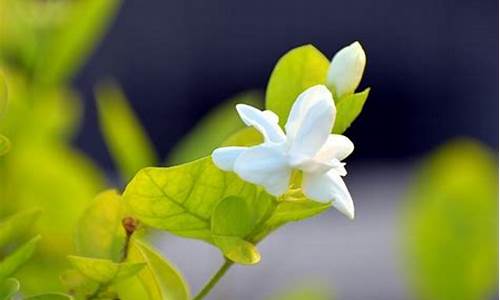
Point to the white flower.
(308, 146)
(346, 69)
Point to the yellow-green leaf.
(213, 129)
(4, 145)
(451, 223)
(125, 137)
(297, 70)
(99, 232)
(237, 249)
(348, 109)
(50, 296)
(18, 225)
(15, 260)
(3, 95)
(8, 288)
(181, 199)
(104, 270)
(66, 49)
(244, 137)
(159, 278)
(79, 285)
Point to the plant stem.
(213, 281)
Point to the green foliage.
(181, 199)
(451, 223)
(297, 70)
(50, 296)
(104, 270)
(248, 136)
(4, 145)
(77, 284)
(348, 109)
(99, 232)
(8, 288)
(125, 137)
(10, 264)
(66, 48)
(17, 226)
(159, 278)
(213, 129)
(3, 95)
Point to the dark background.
(432, 65)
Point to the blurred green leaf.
(77, 284)
(159, 277)
(104, 270)
(99, 232)
(451, 223)
(125, 137)
(66, 50)
(213, 129)
(348, 109)
(3, 95)
(18, 225)
(297, 70)
(248, 136)
(311, 291)
(10, 264)
(8, 288)
(4, 145)
(181, 199)
(50, 296)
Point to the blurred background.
(423, 175)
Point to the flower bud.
(346, 69)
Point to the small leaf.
(8, 288)
(15, 260)
(181, 199)
(296, 71)
(159, 277)
(125, 137)
(4, 145)
(244, 137)
(99, 232)
(77, 284)
(15, 226)
(213, 129)
(451, 223)
(50, 296)
(66, 49)
(3, 96)
(291, 211)
(237, 249)
(103, 270)
(348, 109)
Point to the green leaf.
(18, 225)
(99, 232)
(244, 137)
(296, 71)
(159, 277)
(451, 223)
(348, 109)
(78, 285)
(8, 288)
(213, 129)
(125, 137)
(238, 249)
(181, 199)
(50, 296)
(68, 47)
(15, 260)
(4, 145)
(3, 95)
(104, 270)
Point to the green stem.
(213, 281)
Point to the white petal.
(337, 146)
(225, 157)
(265, 122)
(346, 69)
(266, 166)
(324, 187)
(310, 122)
